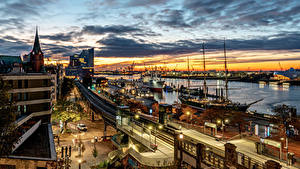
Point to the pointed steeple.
(36, 47)
(36, 55)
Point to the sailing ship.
(153, 81)
(219, 103)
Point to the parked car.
(81, 127)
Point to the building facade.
(81, 64)
(33, 92)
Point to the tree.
(67, 86)
(67, 111)
(210, 115)
(239, 118)
(283, 115)
(87, 79)
(8, 134)
(188, 113)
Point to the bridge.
(154, 144)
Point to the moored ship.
(220, 103)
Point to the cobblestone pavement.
(94, 129)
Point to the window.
(45, 82)
(11, 97)
(25, 96)
(19, 84)
(46, 95)
(26, 84)
(11, 83)
(19, 108)
(25, 108)
(19, 96)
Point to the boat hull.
(234, 107)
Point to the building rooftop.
(39, 145)
(10, 59)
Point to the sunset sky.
(259, 33)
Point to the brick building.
(32, 92)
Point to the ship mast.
(226, 72)
(188, 66)
(204, 83)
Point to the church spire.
(36, 55)
(36, 47)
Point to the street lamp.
(136, 116)
(79, 163)
(188, 113)
(93, 142)
(226, 121)
(181, 136)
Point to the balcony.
(36, 89)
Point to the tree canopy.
(67, 111)
(8, 136)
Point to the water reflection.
(246, 93)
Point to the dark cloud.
(116, 29)
(114, 46)
(11, 23)
(124, 47)
(18, 47)
(134, 3)
(7, 37)
(95, 4)
(120, 29)
(230, 14)
(58, 37)
(279, 41)
(13, 48)
(172, 18)
(21, 8)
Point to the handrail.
(26, 135)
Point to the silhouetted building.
(81, 64)
(36, 62)
(10, 63)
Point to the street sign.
(212, 125)
(272, 143)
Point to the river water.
(238, 92)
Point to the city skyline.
(258, 34)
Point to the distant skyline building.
(81, 64)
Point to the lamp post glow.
(181, 136)
(79, 163)
(226, 121)
(150, 128)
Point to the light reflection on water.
(239, 92)
(249, 92)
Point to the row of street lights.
(150, 128)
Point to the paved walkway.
(94, 129)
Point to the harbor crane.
(280, 66)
